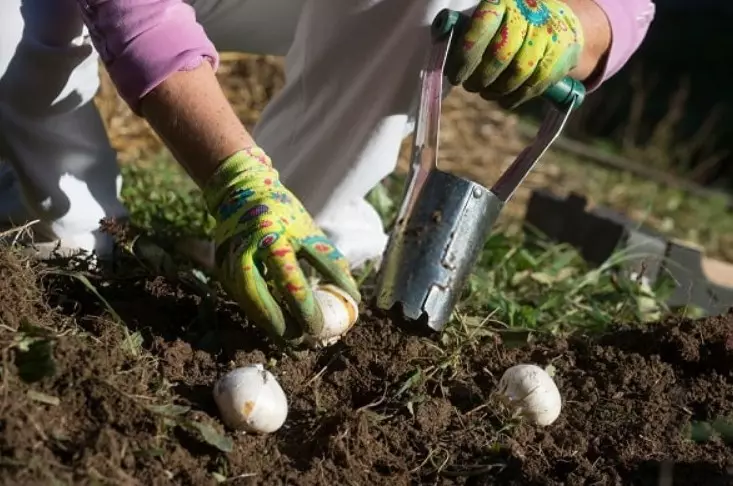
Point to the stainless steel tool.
(444, 220)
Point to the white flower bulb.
(251, 399)
(532, 393)
(340, 313)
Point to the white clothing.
(333, 132)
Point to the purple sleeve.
(142, 42)
(630, 20)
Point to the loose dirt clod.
(376, 408)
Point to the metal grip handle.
(562, 94)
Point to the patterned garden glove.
(513, 50)
(261, 231)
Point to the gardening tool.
(444, 220)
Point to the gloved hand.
(261, 231)
(513, 50)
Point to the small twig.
(241, 476)
(375, 403)
(476, 409)
(19, 230)
(323, 370)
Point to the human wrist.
(239, 168)
(193, 117)
(629, 21)
(596, 35)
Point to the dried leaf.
(43, 398)
(169, 409)
(543, 278)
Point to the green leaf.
(85, 281)
(169, 409)
(382, 201)
(413, 379)
(211, 436)
(564, 261)
(701, 431)
(133, 343)
(724, 428)
(36, 362)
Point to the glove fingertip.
(355, 294)
(312, 321)
(277, 318)
(352, 288)
(258, 303)
(344, 281)
(454, 73)
(271, 319)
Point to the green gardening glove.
(262, 229)
(513, 50)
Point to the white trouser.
(333, 132)
(50, 131)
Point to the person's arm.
(190, 113)
(163, 66)
(614, 30)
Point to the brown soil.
(383, 407)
